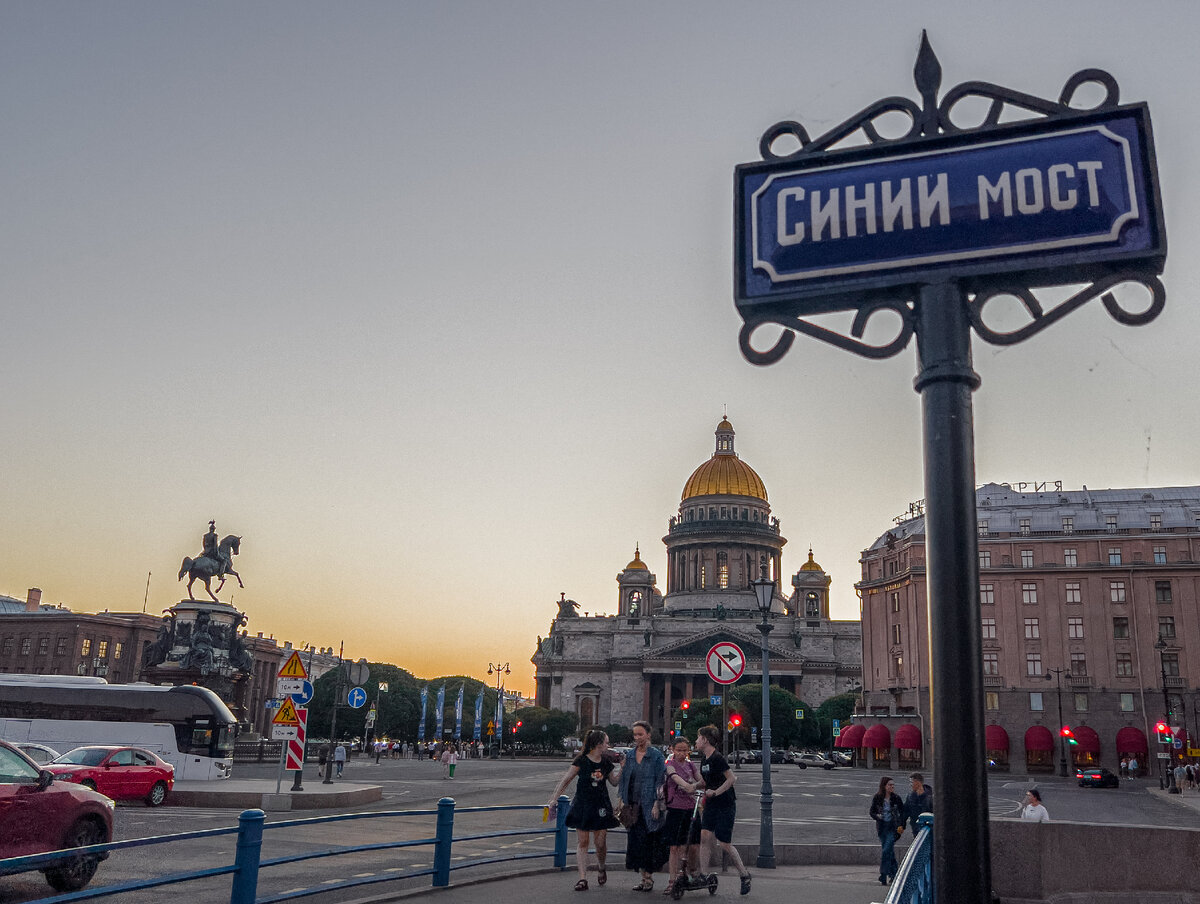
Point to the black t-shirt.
(713, 769)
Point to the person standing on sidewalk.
(720, 805)
(887, 809)
(919, 800)
(339, 758)
(641, 779)
(683, 778)
(453, 758)
(1033, 809)
(591, 808)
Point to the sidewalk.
(245, 794)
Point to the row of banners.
(458, 711)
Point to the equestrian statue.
(215, 561)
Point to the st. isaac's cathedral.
(644, 661)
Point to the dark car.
(38, 814)
(1096, 777)
(122, 773)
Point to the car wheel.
(76, 872)
(157, 795)
(802, 765)
(827, 768)
(89, 784)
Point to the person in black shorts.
(720, 806)
(591, 809)
(683, 778)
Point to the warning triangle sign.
(286, 714)
(293, 668)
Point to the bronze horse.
(206, 568)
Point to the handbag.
(629, 814)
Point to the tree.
(542, 729)
(841, 708)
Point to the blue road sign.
(1042, 196)
(302, 698)
(357, 697)
(714, 700)
(837, 723)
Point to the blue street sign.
(1045, 197)
(357, 697)
(714, 700)
(1179, 743)
(837, 723)
(305, 695)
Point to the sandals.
(601, 874)
(645, 885)
(581, 885)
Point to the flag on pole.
(441, 711)
(500, 714)
(458, 712)
(479, 716)
(421, 724)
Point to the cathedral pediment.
(698, 645)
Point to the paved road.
(811, 806)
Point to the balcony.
(993, 681)
(1079, 680)
(1176, 681)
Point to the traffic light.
(1067, 733)
(685, 705)
(1163, 731)
(735, 720)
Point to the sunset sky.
(432, 302)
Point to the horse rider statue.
(215, 561)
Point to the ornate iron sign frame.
(932, 127)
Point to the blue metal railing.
(914, 882)
(248, 855)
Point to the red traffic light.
(519, 724)
(1160, 726)
(735, 719)
(686, 704)
(1066, 731)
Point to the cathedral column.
(646, 679)
(688, 688)
(668, 688)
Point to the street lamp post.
(764, 590)
(1062, 740)
(1161, 646)
(499, 671)
(337, 698)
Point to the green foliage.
(746, 700)
(541, 729)
(618, 735)
(841, 708)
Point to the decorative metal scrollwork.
(1040, 319)
(866, 350)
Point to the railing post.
(560, 832)
(245, 861)
(441, 847)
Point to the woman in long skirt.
(641, 779)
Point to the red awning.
(995, 738)
(1039, 738)
(877, 736)
(1089, 741)
(1131, 740)
(908, 737)
(850, 736)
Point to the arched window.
(723, 571)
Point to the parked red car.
(38, 814)
(122, 773)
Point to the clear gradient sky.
(431, 302)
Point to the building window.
(1026, 558)
(991, 701)
(989, 629)
(987, 594)
(1033, 663)
(1068, 525)
(1081, 703)
(983, 527)
(897, 666)
(895, 634)
(1078, 664)
(1170, 663)
(1035, 701)
(896, 602)
(1029, 594)
(1072, 592)
(1032, 630)
(117, 651)
(102, 649)
(6, 648)
(1124, 665)
(1114, 555)
(985, 558)
(1126, 703)
(43, 646)
(1120, 626)
(1070, 558)
(722, 571)
(26, 645)
(1075, 627)
(60, 648)
(1166, 626)
(1156, 522)
(1116, 591)
(1160, 555)
(1162, 591)
(991, 663)
(1023, 526)
(1110, 523)
(86, 648)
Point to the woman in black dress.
(591, 810)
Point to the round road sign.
(725, 662)
(357, 697)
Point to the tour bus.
(188, 726)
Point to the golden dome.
(810, 565)
(637, 564)
(724, 474)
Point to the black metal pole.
(766, 825)
(945, 382)
(1170, 760)
(1062, 741)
